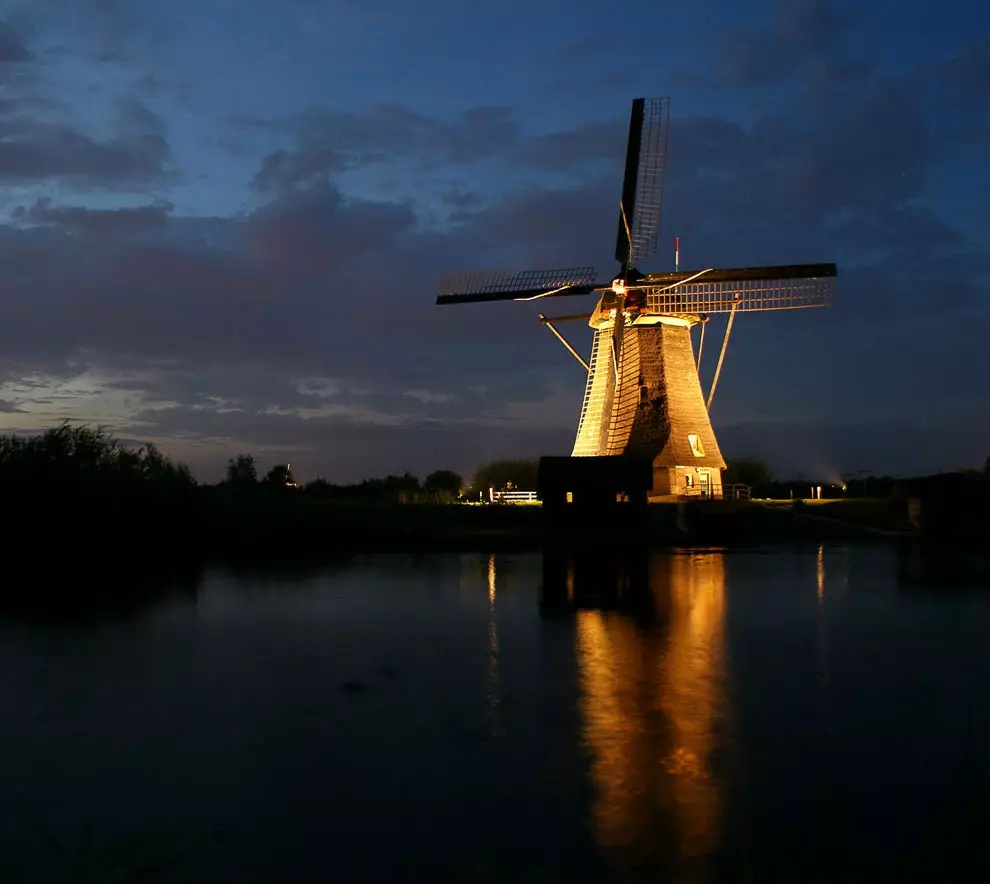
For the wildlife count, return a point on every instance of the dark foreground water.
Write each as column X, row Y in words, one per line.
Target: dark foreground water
column 813, row 715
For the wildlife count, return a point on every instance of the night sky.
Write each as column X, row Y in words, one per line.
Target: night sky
column 224, row 221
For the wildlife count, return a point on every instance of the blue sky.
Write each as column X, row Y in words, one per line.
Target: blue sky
column 224, row 221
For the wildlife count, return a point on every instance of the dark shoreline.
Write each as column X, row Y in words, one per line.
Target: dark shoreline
column 115, row 557
column 88, row 535
column 212, row 527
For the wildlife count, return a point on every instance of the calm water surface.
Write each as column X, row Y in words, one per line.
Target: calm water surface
column 797, row 715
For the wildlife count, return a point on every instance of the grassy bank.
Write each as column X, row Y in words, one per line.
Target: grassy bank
column 290, row 526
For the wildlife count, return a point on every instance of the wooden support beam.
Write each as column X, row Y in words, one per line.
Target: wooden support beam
column 549, row 324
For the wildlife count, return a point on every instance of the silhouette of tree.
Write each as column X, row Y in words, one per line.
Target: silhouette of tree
column 747, row 471
column 241, row 471
column 280, row 476
column 70, row 458
column 319, row 487
column 442, row 484
column 503, row 474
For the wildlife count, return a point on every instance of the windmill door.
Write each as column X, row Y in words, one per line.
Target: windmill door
column 704, row 481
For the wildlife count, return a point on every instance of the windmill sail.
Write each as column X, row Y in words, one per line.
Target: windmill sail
column 642, row 184
column 502, row 285
column 743, row 289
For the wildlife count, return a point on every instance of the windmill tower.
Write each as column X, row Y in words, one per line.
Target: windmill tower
column 643, row 393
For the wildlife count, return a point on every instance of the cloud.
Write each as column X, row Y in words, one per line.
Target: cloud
column 953, row 90
column 328, row 142
column 32, row 150
column 323, row 145
column 9, row 407
column 318, row 228
column 570, row 225
column 12, row 47
column 459, row 198
column 851, row 187
column 283, row 170
column 82, row 220
column 600, row 141
column 389, row 130
column 804, row 41
column 110, row 32
column 136, row 117
column 43, row 140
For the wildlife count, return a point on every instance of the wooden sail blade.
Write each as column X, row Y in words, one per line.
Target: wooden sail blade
column 501, row 285
column 748, row 289
column 645, row 226
column 642, row 182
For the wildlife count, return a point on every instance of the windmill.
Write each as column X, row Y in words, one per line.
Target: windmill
column 643, row 393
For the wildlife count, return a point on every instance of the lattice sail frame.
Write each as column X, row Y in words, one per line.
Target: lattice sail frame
column 645, row 227
column 489, row 282
column 721, row 296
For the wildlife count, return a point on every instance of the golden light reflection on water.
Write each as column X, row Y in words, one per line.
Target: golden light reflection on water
column 491, row 581
column 652, row 699
column 822, row 628
column 820, row 572
column 494, row 686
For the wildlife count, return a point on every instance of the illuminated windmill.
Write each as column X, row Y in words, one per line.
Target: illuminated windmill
column 643, row 395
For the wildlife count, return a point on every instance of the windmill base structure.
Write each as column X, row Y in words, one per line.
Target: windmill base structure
column 657, row 409
column 643, row 397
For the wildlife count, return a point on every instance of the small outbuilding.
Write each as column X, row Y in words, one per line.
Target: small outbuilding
column 585, row 495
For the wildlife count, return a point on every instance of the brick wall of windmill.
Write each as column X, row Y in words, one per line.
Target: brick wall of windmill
column 657, row 405
column 640, row 424
column 687, row 415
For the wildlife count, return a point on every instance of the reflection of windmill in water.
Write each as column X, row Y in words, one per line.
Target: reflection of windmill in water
column 643, row 394
column 652, row 704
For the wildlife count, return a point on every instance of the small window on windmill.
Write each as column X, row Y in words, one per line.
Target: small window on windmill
column 689, row 481
column 621, row 497
column 697, row 449
column 570, row 497
column 644, row 393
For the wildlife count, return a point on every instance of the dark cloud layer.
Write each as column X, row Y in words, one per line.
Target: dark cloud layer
column 12, row 48
column 41, row 141
column 40, row 144
column 806, row 41
column 36, row 151
column 93, row 222
column 325, row 143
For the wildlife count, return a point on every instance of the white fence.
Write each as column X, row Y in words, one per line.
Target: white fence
column 714, row 492
column 511, row 496
column 717, row 492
